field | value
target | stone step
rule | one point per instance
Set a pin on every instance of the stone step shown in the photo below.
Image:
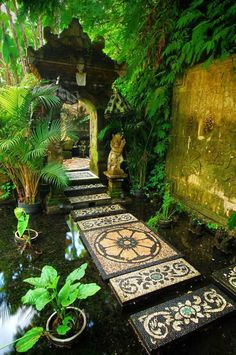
(82, 177)
(119, 249)
(226, 278)
(152, 279)
(164, 323)
(85, 213)
(106, 221)
(89, 200)
(88, 189)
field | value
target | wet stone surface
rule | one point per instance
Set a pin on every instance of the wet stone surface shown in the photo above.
(95, 223)
(171, 320)
(84, 213)
(108, 331)
(227, 278)
(154, 278)
(128, 247)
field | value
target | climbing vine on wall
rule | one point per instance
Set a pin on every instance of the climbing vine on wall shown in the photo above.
(156, 40)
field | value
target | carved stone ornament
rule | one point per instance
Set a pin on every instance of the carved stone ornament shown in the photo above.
(115, 157)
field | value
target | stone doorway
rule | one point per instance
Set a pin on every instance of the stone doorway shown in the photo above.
(68, 55)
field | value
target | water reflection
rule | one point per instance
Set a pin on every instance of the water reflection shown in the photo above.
(13, 324)
(74, 247)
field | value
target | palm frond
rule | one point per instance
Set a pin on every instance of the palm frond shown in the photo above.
(53, 173)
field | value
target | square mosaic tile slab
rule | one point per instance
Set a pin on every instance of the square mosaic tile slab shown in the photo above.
(151, 279)
(84, 199)
(81, 175)
(120, 249)
(106, 221)
(227, 278)
(159, 325)
(84, 213)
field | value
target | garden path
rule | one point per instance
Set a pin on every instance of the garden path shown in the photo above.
(138, 263)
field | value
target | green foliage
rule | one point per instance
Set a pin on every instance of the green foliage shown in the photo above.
(23, 155)
(212, 226)
(46, 291)
(29, 339)
(157, 40)
(6, 190)
(23, 220)
(232, 221)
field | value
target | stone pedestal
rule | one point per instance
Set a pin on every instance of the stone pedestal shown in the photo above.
(115, 184)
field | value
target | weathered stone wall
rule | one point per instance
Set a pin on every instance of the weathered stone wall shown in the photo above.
(201, 160)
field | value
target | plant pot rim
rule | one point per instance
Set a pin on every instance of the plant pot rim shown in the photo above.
(17, 238)
(65, 341)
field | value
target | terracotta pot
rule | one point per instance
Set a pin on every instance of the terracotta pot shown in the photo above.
(65, 342)
(33, 235)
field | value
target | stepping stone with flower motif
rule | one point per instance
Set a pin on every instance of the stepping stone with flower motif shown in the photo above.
(227, 279)
(151, 279)
(160, 325)
(120, 249)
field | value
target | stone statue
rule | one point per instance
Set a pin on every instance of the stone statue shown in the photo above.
(115, 157)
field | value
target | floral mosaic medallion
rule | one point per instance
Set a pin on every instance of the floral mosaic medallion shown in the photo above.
(123, 248)
(161, 324)
(127, 245)
(227, 278)
(153, 278)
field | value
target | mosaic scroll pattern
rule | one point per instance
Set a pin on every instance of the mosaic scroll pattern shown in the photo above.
(153, 278)
(95, 223)
(175, 318)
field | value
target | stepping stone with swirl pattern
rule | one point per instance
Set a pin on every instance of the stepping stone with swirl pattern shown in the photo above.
(89, 200)
(88, 189)
(106, 221)
(100, 211)
(134, 285)
(226, 278)
(161, 324)
(123, 248)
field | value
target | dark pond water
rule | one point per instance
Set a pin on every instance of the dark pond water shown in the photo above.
(108, 330)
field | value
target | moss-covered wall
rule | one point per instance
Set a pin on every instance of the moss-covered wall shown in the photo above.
(201, 160)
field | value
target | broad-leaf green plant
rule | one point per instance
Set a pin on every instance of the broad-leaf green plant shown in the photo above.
(46, 291)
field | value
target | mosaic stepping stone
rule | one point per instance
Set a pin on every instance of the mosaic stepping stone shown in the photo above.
(159, 325)
(85, 213)
(227, 278)
(88, 189)
(151, 279)
(96, 223)
(81, 176)
(86, 200)
(124, 248)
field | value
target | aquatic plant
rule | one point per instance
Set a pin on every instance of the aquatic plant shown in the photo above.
(45, 292)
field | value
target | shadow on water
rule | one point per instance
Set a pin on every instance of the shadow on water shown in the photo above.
(108, 331)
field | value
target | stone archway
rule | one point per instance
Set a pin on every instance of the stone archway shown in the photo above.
(61, 58)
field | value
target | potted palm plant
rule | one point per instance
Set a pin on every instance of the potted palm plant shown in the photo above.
(23, 156)
(67, 321)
